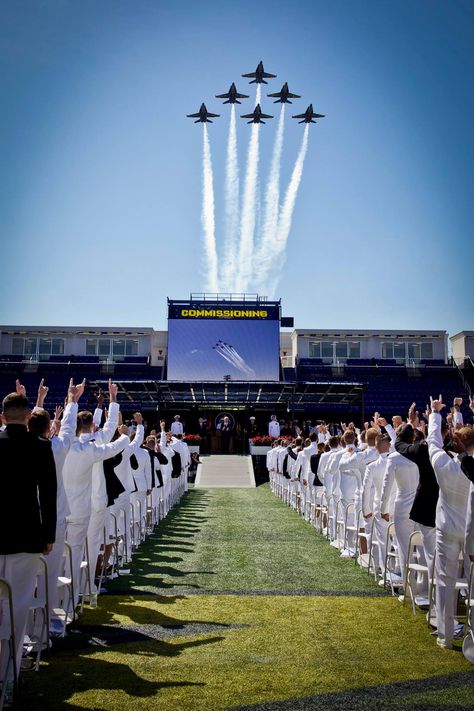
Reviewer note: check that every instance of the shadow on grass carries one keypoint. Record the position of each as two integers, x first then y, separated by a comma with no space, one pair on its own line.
394,697
84,674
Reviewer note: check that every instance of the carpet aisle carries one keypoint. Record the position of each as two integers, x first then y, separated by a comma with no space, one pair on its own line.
235,602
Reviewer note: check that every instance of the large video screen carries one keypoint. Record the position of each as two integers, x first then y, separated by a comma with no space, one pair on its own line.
223,348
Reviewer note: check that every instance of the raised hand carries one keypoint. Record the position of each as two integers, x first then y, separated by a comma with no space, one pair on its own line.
457,401
382,422
427,412
123,430
113,390
20,389
42,392
138,418
58,411
437,405
75,392
100,400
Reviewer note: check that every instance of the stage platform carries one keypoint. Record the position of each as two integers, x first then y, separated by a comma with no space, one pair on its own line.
225,471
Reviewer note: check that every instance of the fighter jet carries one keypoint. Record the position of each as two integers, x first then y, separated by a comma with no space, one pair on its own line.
256,116
284,95
258,75
203,115
308,115
232,96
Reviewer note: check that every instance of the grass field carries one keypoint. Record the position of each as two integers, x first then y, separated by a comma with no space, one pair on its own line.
237,603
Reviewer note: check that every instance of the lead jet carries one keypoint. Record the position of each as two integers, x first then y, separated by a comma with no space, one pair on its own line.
259,75
284,95
203,115
256,116
308,115
232,95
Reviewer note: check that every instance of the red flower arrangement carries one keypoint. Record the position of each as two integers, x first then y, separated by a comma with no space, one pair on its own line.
192,439
262,441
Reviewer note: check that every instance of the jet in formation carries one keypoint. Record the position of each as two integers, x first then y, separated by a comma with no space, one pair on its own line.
256,116
259,75
284,95
203,115
232,95
308,115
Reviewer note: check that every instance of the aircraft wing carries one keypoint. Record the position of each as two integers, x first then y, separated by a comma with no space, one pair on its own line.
212,115
242,96
247,116
318,115
278,94
293,96
222,96
252,75
193,115
265,116
299,116
269,76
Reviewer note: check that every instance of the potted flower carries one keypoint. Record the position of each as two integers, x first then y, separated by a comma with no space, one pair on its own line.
193,441
259,446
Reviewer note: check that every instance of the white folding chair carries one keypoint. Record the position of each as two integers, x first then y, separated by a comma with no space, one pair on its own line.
7,635
413,569
468,642
392,560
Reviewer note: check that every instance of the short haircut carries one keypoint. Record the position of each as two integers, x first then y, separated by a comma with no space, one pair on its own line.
84,419
39,422
349,437
313,436
15,407
381,438
307,442
466,434
370,436
321,447
334,441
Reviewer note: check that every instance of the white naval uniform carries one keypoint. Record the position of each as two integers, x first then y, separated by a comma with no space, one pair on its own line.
371,497
406,475
176,428
142,478
451,513
60,446
77,474
273,428
177,445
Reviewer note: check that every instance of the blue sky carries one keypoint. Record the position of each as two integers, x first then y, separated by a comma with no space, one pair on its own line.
100,190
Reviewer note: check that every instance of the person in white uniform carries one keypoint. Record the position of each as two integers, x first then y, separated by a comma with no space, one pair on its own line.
77,472
177,426
273,427
451,514
405,475
371,498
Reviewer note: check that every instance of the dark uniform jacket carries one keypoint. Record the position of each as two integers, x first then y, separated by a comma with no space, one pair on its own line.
27,492
424,505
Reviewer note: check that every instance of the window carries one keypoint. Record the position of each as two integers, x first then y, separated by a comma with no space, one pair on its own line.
427,350
104,347
391,350
30,346
17,346
315,349
118,347
354,349
341,349
91,346
131,347
326,350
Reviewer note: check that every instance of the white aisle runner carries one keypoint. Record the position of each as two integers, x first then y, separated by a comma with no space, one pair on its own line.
225,471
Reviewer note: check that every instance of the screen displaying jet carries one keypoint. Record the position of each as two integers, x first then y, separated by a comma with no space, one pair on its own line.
284,95
256,116
308,115
203,115
259,75
232,95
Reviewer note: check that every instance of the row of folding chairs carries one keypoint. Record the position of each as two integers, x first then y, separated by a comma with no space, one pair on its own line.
344,526
130,528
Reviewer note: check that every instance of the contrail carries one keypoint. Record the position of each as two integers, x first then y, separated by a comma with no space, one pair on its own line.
207,217
263,260
229,354
286,215
231,208
247,224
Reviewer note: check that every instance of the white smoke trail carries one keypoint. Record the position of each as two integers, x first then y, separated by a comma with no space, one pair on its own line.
247,224
207,217
262,262
231,208
286,215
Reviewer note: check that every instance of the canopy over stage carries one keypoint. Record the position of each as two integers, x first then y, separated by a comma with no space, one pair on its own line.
292,397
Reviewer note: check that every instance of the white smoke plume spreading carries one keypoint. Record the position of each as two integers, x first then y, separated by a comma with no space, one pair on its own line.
231,208
229,354
207,217
247,224
262,262
286,215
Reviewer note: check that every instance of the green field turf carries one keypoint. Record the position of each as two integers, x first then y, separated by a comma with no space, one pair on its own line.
237,603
